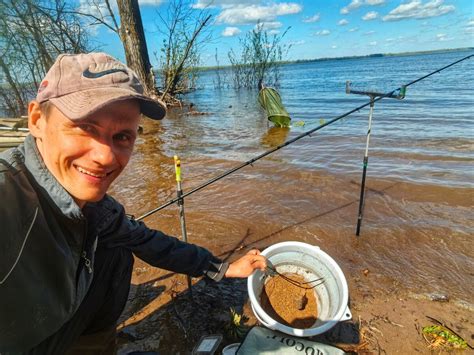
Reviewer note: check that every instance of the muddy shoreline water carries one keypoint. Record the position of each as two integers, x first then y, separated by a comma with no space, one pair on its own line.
414,251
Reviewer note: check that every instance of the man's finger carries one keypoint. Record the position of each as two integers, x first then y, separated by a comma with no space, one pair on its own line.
258,261
254,252
259,264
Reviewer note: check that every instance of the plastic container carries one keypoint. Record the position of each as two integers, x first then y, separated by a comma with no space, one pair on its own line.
310,262
230,349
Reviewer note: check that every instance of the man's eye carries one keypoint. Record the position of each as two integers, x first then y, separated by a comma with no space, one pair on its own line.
123,137
86,128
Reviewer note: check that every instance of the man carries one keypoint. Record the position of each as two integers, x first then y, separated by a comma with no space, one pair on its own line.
66,256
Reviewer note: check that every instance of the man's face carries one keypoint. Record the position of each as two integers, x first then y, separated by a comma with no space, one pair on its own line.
86,156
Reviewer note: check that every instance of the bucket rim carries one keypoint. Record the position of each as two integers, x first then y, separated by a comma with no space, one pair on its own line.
272,323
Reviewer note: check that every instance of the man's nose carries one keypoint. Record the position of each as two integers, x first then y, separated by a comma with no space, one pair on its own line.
103,152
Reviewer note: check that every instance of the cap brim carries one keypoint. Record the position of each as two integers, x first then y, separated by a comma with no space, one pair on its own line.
80,104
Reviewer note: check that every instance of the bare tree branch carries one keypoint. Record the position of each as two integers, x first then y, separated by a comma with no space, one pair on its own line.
32,34
179,68
184,30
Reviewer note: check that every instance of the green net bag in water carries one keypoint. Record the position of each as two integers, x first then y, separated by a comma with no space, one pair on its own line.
270,101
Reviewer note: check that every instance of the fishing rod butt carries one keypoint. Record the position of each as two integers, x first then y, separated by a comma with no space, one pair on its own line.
359,222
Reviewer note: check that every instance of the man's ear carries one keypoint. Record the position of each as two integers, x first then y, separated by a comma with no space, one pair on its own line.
36,120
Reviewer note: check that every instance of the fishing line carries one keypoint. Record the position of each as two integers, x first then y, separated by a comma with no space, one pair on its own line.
307,133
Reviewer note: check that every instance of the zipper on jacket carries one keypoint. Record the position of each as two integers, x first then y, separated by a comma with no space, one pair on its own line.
87,262
82,258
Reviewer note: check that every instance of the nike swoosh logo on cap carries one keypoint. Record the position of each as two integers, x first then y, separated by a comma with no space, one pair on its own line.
94,75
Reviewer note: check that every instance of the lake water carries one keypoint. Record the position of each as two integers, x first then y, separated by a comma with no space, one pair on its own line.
427,137
418,218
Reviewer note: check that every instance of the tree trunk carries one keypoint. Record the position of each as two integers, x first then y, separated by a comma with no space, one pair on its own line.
134,44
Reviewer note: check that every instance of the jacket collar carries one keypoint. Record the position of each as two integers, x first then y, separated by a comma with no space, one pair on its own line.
50,186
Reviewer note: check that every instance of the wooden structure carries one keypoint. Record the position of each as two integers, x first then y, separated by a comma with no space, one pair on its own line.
10,134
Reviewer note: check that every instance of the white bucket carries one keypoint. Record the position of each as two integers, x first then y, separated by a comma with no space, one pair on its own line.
310,262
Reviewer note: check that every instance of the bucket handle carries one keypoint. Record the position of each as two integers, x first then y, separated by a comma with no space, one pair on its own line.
347,314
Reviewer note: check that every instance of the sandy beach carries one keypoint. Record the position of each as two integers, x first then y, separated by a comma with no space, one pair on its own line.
386,320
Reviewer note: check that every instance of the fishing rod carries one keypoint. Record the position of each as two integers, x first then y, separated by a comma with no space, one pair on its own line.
305,134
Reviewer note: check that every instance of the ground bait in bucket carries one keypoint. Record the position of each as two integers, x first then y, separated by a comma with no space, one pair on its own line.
289,304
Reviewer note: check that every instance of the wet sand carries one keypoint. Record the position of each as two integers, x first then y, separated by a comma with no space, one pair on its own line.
161,316
415,245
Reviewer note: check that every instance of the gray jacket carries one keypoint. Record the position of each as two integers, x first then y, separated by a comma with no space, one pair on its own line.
48,245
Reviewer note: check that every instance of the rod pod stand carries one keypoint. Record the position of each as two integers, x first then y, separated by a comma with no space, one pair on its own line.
372,95
182,219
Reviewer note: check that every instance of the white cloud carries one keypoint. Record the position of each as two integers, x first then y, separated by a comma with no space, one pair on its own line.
98,10
314,18
273,32
333,46
202,4
368,33
297,43
443,37
352,6
269,25
355,4
231,31
371,15
374,43
247,14
150,2
343,22
93,5
355,29
416,9
323,33
374,2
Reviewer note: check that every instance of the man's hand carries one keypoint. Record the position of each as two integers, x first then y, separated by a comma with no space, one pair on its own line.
244,266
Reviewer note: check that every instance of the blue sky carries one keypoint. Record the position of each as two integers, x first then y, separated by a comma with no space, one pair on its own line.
319,28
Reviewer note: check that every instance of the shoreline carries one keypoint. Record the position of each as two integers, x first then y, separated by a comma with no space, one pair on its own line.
373,55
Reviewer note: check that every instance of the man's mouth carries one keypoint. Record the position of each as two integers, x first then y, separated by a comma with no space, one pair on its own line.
94,174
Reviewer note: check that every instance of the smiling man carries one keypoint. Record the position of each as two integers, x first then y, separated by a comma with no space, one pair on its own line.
67,247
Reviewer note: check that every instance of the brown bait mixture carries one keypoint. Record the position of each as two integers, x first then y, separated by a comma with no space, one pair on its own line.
289,304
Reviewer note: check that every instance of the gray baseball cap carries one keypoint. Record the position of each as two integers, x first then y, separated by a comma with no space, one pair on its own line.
80,84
